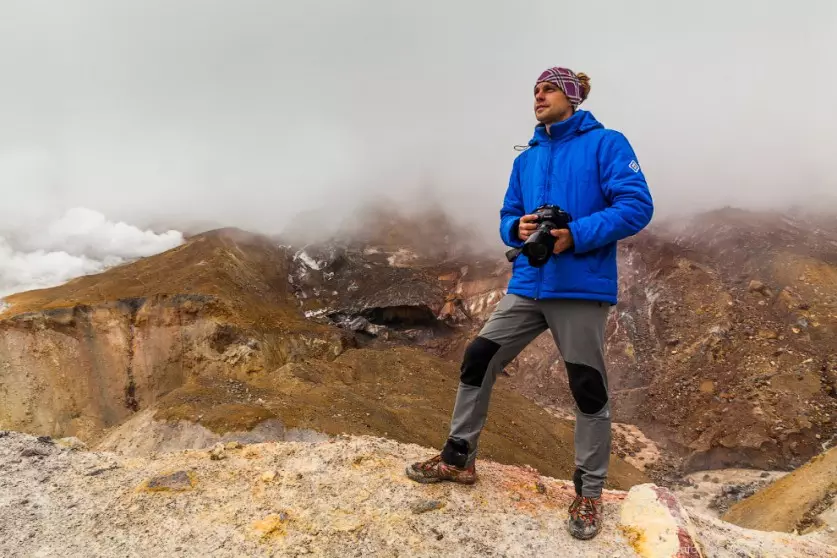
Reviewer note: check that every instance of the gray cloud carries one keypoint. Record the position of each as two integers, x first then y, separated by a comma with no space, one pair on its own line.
171,112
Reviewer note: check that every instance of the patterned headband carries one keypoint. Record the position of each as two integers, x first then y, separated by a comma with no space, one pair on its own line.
567,81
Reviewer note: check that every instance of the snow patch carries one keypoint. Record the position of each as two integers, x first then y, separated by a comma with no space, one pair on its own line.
401,258
316,313
305,258
480,304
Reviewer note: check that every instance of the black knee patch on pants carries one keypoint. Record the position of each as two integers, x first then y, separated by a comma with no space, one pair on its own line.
475,362
588,388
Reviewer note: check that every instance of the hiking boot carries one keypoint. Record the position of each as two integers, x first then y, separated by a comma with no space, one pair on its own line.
585,519
447,466
436,470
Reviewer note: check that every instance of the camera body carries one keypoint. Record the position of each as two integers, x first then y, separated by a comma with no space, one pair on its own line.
538,247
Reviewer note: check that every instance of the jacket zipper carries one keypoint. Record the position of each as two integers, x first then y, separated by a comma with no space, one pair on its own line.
543,201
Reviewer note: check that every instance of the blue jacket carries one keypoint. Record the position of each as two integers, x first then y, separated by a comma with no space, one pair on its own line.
593,174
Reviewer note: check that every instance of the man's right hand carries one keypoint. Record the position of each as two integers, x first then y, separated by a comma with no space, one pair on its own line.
528,225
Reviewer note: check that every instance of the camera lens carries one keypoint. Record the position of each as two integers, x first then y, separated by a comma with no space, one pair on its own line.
538,251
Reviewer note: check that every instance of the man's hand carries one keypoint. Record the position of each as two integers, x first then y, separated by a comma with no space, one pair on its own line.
528,225
563,240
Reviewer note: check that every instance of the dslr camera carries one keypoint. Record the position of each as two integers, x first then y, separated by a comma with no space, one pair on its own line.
538,247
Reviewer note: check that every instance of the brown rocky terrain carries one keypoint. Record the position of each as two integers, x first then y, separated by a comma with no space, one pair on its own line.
742,319
721,348
210,334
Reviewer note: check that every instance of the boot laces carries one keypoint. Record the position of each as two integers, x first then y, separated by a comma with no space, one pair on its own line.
431,463
588,509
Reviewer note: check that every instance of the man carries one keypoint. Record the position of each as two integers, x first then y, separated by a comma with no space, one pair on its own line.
592,173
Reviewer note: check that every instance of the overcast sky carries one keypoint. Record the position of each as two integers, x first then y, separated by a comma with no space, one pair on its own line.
246,113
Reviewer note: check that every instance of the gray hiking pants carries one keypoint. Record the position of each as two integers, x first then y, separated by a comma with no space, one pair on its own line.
578,328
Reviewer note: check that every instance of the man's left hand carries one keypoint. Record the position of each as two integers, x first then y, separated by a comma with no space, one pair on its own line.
563,240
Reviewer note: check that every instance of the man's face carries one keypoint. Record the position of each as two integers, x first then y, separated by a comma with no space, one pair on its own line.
551,105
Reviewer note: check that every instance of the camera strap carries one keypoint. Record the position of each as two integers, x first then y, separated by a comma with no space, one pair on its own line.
512,254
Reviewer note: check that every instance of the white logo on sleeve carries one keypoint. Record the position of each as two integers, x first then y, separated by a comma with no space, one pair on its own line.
634,166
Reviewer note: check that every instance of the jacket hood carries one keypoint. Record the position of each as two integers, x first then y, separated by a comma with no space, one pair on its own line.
580,122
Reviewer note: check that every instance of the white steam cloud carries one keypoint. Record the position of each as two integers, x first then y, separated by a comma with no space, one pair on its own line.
81,242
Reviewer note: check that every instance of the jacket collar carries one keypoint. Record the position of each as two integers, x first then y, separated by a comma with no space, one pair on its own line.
580,122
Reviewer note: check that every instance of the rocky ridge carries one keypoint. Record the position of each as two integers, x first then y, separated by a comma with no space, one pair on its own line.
342,497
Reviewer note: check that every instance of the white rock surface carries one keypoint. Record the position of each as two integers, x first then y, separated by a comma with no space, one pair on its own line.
342,497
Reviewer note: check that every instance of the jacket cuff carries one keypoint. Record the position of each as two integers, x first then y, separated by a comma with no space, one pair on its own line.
513,233
578,245
509,231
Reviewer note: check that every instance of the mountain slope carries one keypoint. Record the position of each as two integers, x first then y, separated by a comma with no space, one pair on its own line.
720,347
796,502
245,274
84,356
208,333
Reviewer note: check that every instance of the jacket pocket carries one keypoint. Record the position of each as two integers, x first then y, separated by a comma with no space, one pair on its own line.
595,262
